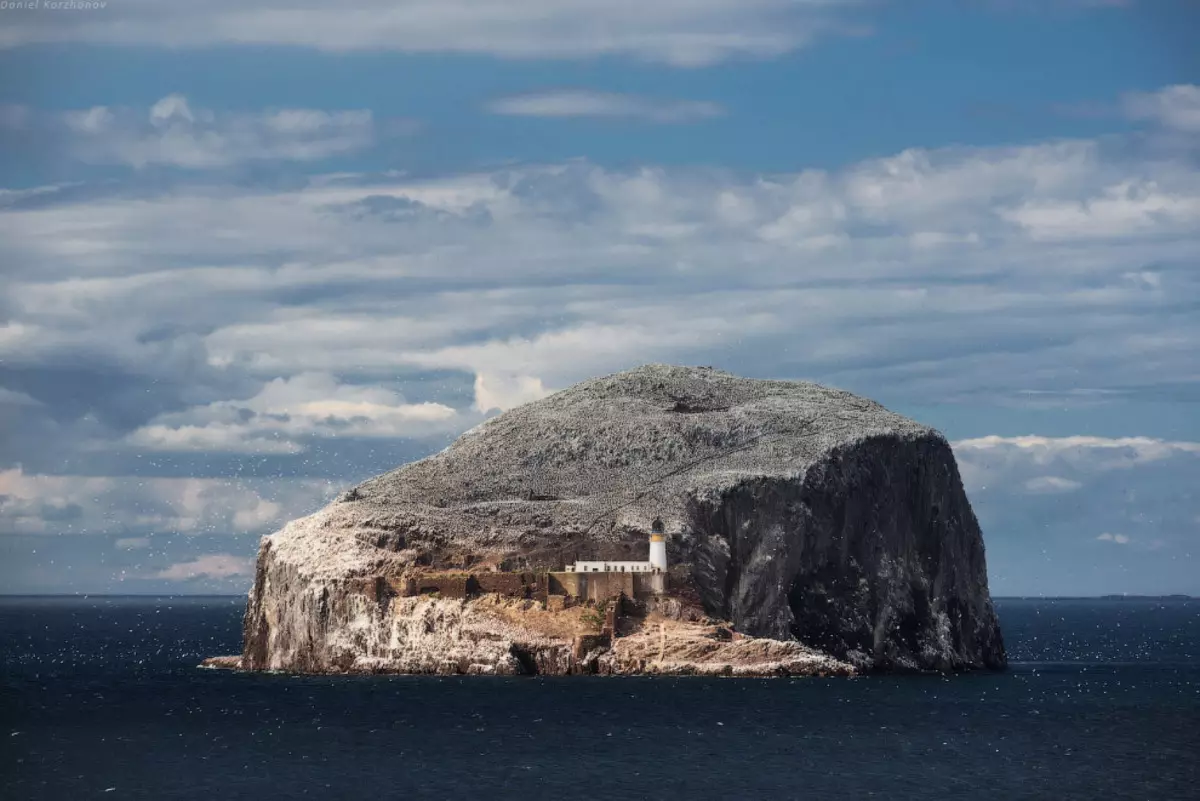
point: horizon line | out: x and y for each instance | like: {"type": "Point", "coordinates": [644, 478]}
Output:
{"type": "Point", "coordinates": [1105, 596]}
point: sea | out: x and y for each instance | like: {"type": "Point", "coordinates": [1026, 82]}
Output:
{"type": "Point", "coordinates": [102, 698]}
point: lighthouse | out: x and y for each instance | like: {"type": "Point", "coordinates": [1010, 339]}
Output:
{"type": "Point", "coordinates": [658, 546]}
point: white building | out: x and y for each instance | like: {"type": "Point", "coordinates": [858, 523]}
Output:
{"type": "Point", "coordinates": [610, 567]}
{"type": "Point", "coordinates": [657, 563]}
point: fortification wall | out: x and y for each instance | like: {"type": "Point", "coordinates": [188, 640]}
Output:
{"type": "Point", "coordinates": [465, 585]}
{"type": "Point", "coordinates": [535, 586]}
{"type": "Point", "coordinates": [563, 583]}
{"type": "Point", "coordinates": [602, 586]}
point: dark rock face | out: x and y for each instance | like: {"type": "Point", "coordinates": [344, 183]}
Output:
{"type": "Point", "coordinates": [874, 557]}
{"type": "Point", "coordinates": [792, 510]}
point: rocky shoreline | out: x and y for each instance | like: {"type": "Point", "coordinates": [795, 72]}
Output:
{"type": "Point", "coordinates": [499, 636]}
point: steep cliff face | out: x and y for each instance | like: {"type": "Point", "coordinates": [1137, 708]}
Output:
{"type": "Point", "coordinates": [333, 625]}
{"type": "Point", "coordinates": [873, 555]}
{"type": "Point", "coordinates": [796, 512]}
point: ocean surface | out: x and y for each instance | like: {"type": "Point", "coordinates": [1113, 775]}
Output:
{"type": "Point", "coordinates": [101, 698]}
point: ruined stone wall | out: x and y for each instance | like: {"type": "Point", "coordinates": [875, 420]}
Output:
{"type": "Point", "coordinates": [447, 586]}
{"type": "Point", "coordinates": [564, 583]}
{"type": "Point", "coordinates": [648, 584]}
{"type": "Point", "coordinates": [512, 585]}
{"type": "Point", "coordinates": [462, 585]}
{"type": "Point", "coordinates": [602, 586]}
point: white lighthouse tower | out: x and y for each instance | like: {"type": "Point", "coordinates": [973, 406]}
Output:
{"type": "Point", "coordinates": [658, 547]}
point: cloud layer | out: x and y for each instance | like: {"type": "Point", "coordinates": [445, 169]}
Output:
{"type": "Point", "coordinates": [287, 411]}
{"type": "Point", "coordinates": [672, 31]}
{"type": "Point", "coordinates": [1052, 504]}
{"type": "Point", "coordinates": [174, 133]}
{"type": "Point", "coordinates": [1067, 252]}
{"type": "Point", "coordinates": [212, 566]}
{"type": "Point", "coordinates": [1175, 108]}
{"type": "Point", "coordinates": [583, 103]}
{"type": "Point", "coordinates": [328, 329]}
{"type": "Point", "coordinates": [138, 507]}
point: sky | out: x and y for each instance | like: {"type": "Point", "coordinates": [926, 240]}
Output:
{"type": "Point", "coordinates": [252, 253]}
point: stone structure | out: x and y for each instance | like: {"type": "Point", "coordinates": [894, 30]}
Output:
{"type": "Point", "coordinates": [600, 580]}
{"type": "Point", "coordinates": [603, 586]}
{"type": "Point", "coordinates": [469, 585]}
{"type": "Point", "coordinates": [610, 567]}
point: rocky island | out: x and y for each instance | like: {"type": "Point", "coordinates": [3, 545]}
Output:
{"type": "Point", "coordinates": [809, 531]}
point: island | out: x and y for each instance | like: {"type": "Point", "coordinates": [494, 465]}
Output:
{"type": "Point", "coordinates": [663, 520]}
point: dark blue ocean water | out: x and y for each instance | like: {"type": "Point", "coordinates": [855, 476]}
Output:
{"type": "Point", "coordinates": [101, 699]}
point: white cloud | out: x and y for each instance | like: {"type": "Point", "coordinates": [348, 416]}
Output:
{"type": "Point", "coordinates": [503, 392]}
{"type": "Point", "coordinates": [135, 506]}
{"type": "Point", "coordinates": [585, 103]}
{"type": "Point", "coordinates": [216, 566]}
{"type": "Point", "coordinates": [672, 31]}
{"type": "Point", "coordinates": [1051, 485]}
{"type": "Point", "coordinates": [213, 437]}
{"type": "Point", "coordinates": [1081, 482]}
{"type": "Point", "coordinates": [1176, 107]}
{"type": "Point", "coordinates": [172, 108]}
{"type": "Point", "coordinates": [533, 277]}
{"type": "Point", "coordinates": [262, 514]}
{"type": "Point", "coordinates": [997, 462]}
{"type": "Point", "coordinates": [10, 397]}
{"type": "Point", "coordinates": [174, 133]}
{"type": "Point", "coordinates": [277, 318]}
{"type": "Point", "coordinates": [1035, 495]}
{"type": "Point", "coordinates": [1123, 210]}
{"type": "Point", "coordinates": [132, 543]}
{"type": "Point", "coordinates": [1101, 452]}
{"type": "Point", "coordinates": [288, 409]}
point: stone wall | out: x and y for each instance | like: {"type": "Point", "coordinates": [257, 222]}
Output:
{"type": "Point", "coordinates": [467, 585]}
{"type": "Point", "coordinates": [602, 586]}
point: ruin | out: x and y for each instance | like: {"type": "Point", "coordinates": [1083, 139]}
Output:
{"type": "Point", "coordinates": [583, 580]}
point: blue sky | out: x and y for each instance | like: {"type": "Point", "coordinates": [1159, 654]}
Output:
{"type": "Point", "coordinates": [255, 252]}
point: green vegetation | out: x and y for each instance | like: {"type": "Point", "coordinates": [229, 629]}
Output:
{"type": "Point", "coordinates": [593, 618]}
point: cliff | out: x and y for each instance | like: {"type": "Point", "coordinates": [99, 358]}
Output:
{"type": "Point", "coordinates": [805, 517]}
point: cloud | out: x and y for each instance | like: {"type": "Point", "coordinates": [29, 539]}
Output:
{"type": "Point", "coordinates": [132, 543]}
{"type": "Point", "coordinates": [1175, 108]}
{"type": "Point", "coordinates": [10, 398]}
{"type": "Point", "coordinates": [345, 325]}
{"type": "Point", "coordinates": [1095, 453]}
{"type": "Point", "coordinates": [1144, 448]}
{"type": "Point", "coordinates": [585, 103]}
{"type": "Point", "coordinates": [134, 507]}
{"type": "Point", "coordinates": [1034, 495]}
{"type": "Point", "coordinates": [1051, 484]}
{"type": "Point", "coordinates": [506, 391]}
{"type": "Point", "coordinates": [216, 566]}
{"type": "Point", "coordinates": [679, 33]}
{"type": "Point", "coordinates": [173, 133]}
{"type": "Point", "coordinates": [316, 303]}
{"type": "Point", "coordinates": [287, 410]}
{"type": "Point", "coordinates": [1123, 210]}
